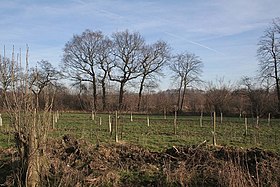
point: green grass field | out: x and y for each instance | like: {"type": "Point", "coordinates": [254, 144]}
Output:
{"type": "Point", "coordinates": [159, 134]}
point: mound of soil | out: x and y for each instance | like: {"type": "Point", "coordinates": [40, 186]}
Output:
{"type": "Point", "coordinates": [75, 162]}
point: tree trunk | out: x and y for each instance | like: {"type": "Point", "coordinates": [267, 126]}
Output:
{"type": "Point", "coordinates": [94, 92]}
{"type": "Point", "coordinates": [274, 55]}
{"type": "Point", "coordinates": [183, 97]}
{"type": "Point", "coordinates": [33, 160]}
{"type": "Point", "coordinates": [103, 94]}
{"type": "Point", "coordinates": [33, 173]}
{"type": "Point", "coordinates": [121, 95]}
{"type": "Point", "coordinates": [140, 93]}
{"type": "Point", "coordinates": [277, 83]}
{"type": "Point", "coordinates": [179, 95]}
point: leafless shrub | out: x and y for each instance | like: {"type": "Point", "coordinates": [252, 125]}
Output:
{"type": "Point", "coordinates": [30, 124]}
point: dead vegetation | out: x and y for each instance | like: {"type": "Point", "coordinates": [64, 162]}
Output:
{"type": "Point", "coordinates": [74, 162]}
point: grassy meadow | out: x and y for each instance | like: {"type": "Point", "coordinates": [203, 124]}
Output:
{"type": "Point", "coordinates": [160, 134]}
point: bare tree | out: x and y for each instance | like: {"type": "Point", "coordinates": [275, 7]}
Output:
{"type": "Point", "coordinates": [258, 98]}
{"type": "Point", "coordinates": [80, 58]}
{"type": "Point", "coordinates": [104, 60]}
{"type": "Point", "coordinates": [42, 76]}
{"type": "Point", "coordinates": [154, 57]}
{"type": "Point", "coordinates": [187, 69]}
{"type": "Point", "coordinates": [269, 55]}
{"type": "Point", "coordinates": [127, 52]}
{"type": "Point", "coordinates": [4, 70]}
{"type": "Point", "coordinates": [218, 95]}
{"type": "Point", "coordinates": [5, 75]}
{"type": "Point", "coordinates": [30, 124]}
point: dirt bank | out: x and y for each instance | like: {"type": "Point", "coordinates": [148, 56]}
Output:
{"type": "Point", "coordinates": [75, 162]}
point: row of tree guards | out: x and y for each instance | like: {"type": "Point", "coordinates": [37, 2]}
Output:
{"type": "Point", "coordinates": [115, 118]}
{"type": "Point", "coordinates": [213, 117]}
{"type": "Point", "coordinates": [56, 116]}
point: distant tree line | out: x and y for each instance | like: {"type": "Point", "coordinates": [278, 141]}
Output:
{"type": "Point", "coordinates": [245, 99]}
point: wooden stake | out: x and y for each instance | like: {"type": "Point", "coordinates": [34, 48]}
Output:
{"type": "Point", "coordinates": [131, 118]}
{"type": "Point", "coordinates": [175, 121]}
{"type": "Point", "coordinates": [268, 120]}
{"type": "Point", "coordinates": [201, 119]}
{"type": "Point", "coordinates": [110, 124]}
{"type": "Point", "coordinates": [246, 126]}
{"type": "Point", "coordinates": [214, 121]}
{"type": "Point", "coordinates": [1, 121]}
{"type": "Point", "coordinates": [57, 115]}
{"type": "Point", "coordinates": [164, 113]}
{"type": "Point", "coordinates": [214, 129]}
{"type": "Point", "coordinates": [211, 113]}
{"type": "Point", "coordinates": [258, 119]}
{"type": "Point", "coordinates": [55, 118]}
{"type": "Point", "coordinates": [221, 118]}
{"type": "Point", "coordinates": [148, 121]}
{"type": "Point", "coordinates": [53, 124]}
{"type": "Point", "coordinates": [100, 121]}
{"type": "Point", "coordinates": [116, 127]}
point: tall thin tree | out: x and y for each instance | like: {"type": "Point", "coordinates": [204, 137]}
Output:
{"type": "Point", "coordinates": [269, 55]}
{"type": "Point", "coordinates": [187, 69]}
{"type": "Point", "coordinates": [154, 58]}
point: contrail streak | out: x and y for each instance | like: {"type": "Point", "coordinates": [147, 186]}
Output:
{"type": "Point", "coordinates": [195, 43]}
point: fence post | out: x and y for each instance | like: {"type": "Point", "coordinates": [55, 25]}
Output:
{"type": "Point", "coordinates": [246, 126]}
{"type": "Point", "coordinates": [116, 127]}
{"type": "Point", "coordinates": [1, 121]}
{"type": "Point", "coordinates": [201, 119]}
{"type": "Point", "coordinates": [110, 123]}
{"type": "Point", "coordinates": [175, 121]}
{"type": "Point", "coordinates": [131, 117]}
{"type": "Point", "coordinates": [214, 129]}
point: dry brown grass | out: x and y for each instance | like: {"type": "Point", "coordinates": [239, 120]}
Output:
{"type": "Point", "coordinates": [77, 163]}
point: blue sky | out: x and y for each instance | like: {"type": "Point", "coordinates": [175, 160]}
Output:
{"type": "Point", "coordinates": [224, 34]}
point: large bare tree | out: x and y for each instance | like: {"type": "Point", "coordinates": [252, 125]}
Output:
{"type": "Point", "coordinates": [153, 60]}
{"type": "Point", "coordinates": [104, 60]}
{"type": "Point", "coordinates": [80, 59]}
{"type": "Point", "coordinates": [269, 55]}
{"type": "Point", "coordinates": [187, 69]}
{"type": "Point", "coordinates": [127, 52]}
